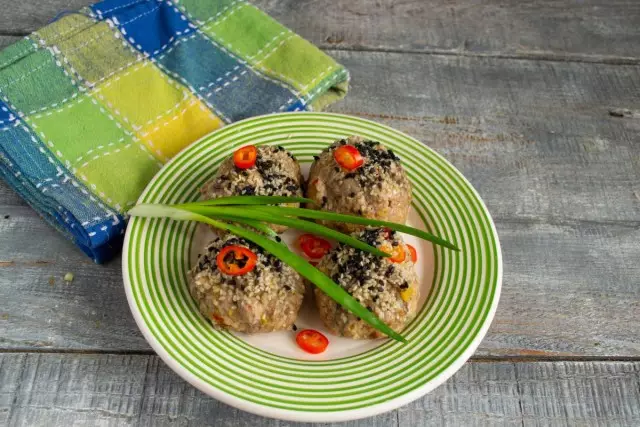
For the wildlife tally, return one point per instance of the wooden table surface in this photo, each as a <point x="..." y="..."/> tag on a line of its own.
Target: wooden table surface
<point x="537" y="103"/>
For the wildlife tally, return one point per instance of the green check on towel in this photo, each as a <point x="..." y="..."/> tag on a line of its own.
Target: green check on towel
<point x="92" y="105"/>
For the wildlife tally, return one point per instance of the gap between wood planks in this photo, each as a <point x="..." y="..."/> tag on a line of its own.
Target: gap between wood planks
<point x="473" y="359"/>
<point x="523" y="55"/>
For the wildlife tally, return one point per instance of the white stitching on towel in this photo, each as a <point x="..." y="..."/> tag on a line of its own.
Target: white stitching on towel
<point x="253" y="70"/>
<point x="24" y="76"/>
<point x="10" y="61"/>
<point x="140" y="16"/>
<point x="211" y="18"/>
<point x="273" y="40"/>
<point x="120" y="7"/>
<point x="193" y="90"/>
<point x="235" y="10"/>
<point x="237" y="58"/>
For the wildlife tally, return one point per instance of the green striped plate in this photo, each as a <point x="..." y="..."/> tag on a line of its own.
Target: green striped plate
<point x="266" y="374"/>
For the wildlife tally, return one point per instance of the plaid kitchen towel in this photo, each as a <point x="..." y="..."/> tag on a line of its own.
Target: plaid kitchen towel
<point x="92" y="105"/>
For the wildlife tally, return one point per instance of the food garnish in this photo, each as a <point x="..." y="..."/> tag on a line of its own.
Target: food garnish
<point x="245" y="157"/>
<point x="413" y="253"/>
<point x="348" y="157"/>
<point x="256" y="209"/>
<point x="314" y="247"/>
<point x="312" y="341"/>
<point x="236" y="260"/>
<point x="397" y="252"/>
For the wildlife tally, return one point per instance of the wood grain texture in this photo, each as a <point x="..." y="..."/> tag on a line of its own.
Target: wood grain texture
<point x="559" y="174"/>
<point x="7" y="40"/>
<point x="22" y="18"/>
<point x="54" y="389"/>
<point x="589" y="30"/>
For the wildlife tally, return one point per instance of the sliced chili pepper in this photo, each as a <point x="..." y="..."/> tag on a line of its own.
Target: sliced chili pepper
<point x="314" y="247"/>
<point x="397" y="252"/>
<point x="236" y="260"/>
<point x="348" y="157"/>
<point x="245" y="157"/>
<point x="414" y="253"/>
<point x="312" y="341"/>
<point x="219" y="320"/>
<point x="386" y="232"/>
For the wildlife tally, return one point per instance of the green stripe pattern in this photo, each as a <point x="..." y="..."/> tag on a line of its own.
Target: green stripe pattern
<point x="446" y="331"/>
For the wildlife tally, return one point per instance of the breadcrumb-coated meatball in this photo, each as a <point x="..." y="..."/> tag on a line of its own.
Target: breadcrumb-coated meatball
<point x="379" y="189"/>
<point x="265" y="299"/>
<point x="276" y="173"/>
<point x="388" y="289"/>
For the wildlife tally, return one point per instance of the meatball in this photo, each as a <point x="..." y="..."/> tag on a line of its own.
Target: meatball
<point x="388" y="289"/>
<point x="379" y="189"/>
<point x="276" y="173"/>
<point x="265" y="299"/>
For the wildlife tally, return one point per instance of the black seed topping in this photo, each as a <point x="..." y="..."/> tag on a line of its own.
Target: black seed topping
<point x="248" y="190"/>
<point x="278" y="239"/>
<point x="389" y="271"/>
<point x="316" y="157"/>
<point x="294" y="327"/>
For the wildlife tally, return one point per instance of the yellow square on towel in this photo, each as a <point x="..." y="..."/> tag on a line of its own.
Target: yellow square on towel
<point x="141" y="95"/>
<point x="170" y="134"/>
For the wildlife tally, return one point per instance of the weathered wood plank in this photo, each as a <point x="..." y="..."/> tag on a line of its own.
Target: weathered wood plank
<point x="590" y="30"/>
<point x="536" y="138"/>
<point x="560" y="175"/>
<point x="25" y="17"/>
<point x="42" y="311"/>
<point x="532" y="394"/>
<point x="8" y="197"/>
<point x="54" y="389"/>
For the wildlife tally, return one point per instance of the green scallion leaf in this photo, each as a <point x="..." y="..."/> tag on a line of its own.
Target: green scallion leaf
<point x="330" y="216"/>
<point x="295" y="261"/>
<point x="235" y="214"/>
<point x="247" y="200"/>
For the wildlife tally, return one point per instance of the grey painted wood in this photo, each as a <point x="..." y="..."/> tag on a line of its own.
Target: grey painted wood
<point x="536" y="138"/>
<point x="560" y="175"/>
<point x="590" y="30"/>
<point x="55" y="389"/>
<point x="21" y="18"/>
<point x="7" y="40"/>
